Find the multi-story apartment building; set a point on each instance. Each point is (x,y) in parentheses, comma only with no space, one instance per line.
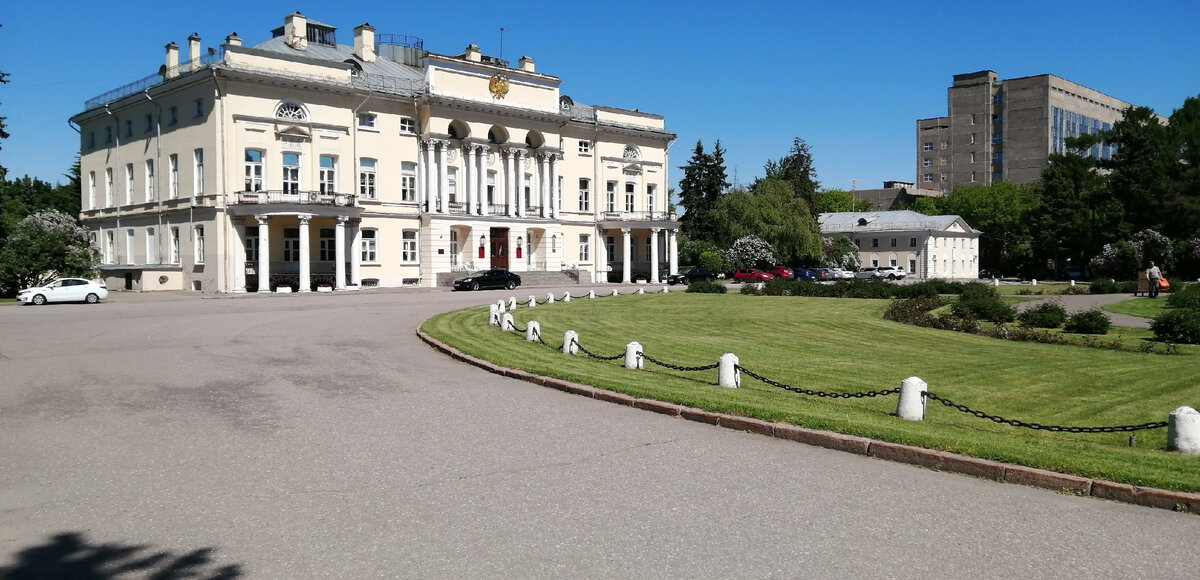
(1006,129)
(306,163)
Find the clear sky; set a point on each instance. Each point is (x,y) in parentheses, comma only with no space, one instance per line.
(850,77)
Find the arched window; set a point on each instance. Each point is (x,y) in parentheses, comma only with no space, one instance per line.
(534,139)
(458,130)
(631,153)
(497,135)
(291,111)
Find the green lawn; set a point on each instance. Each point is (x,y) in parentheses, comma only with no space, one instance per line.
(844,345)
(1144,307)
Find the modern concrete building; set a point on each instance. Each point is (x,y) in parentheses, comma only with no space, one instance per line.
(894,195)
(313,165)
(941,246)
(1006,129)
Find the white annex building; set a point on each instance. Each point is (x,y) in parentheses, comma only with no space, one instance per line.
(941,246)
(306,163)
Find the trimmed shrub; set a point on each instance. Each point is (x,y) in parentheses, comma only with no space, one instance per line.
(910,310)
(1187,296)
(778,287)
(1088,322)
(707,288)
(1179,326)
(965,324)
(983,303)
(928,288)
(711,261)
(1076,290)
(1107,286)
(750,290)
(1044,315)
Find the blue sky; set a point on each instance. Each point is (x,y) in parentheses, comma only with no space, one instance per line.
(849,77)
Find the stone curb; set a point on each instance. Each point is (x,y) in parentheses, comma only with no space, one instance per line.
(930,458)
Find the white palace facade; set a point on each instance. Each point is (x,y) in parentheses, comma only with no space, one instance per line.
(305,163)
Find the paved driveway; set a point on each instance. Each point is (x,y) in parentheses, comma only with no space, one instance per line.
(1082,302)
(314,436)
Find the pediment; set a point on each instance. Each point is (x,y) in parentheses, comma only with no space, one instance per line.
(292,131)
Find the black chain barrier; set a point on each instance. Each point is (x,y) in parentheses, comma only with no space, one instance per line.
(818,393)
(1040,427)
(518,328)
(677,367)
(594,355)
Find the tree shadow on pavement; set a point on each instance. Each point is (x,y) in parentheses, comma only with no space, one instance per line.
(69,556)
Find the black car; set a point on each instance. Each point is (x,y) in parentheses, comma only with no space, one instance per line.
(693,275)
(494,278)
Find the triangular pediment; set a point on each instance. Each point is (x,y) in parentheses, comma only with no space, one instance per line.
(292,131)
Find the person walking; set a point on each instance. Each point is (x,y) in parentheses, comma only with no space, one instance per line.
(1153,274)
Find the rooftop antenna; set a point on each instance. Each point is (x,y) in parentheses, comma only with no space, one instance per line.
(501,57)
(853,184)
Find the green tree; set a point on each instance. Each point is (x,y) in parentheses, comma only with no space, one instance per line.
(927,205)
(1182,205)
(1077,211)
(704,181)
(797,170)
(45,244)
(1002,211)
(1139,172)
(771,211)
(3,132)
(835,200)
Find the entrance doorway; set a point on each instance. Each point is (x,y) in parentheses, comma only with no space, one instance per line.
(499,238)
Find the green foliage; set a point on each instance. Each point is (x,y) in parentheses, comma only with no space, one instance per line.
(773,213)
(707,288)
(1076,209)
(840,252)
(1108,286)
(928,206)
(711,261)
(1179,326)
(1088,322)
(1185,296)
(1003,211)
(691,250)
(983,303)
(703,182)
(836,200)
(910,310)
(1044,315)
(45,244)
(797,170)
(749,252)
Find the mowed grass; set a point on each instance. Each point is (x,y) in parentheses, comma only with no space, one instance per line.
(1144,307)
(844,345)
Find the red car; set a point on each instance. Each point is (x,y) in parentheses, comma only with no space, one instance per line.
(782,272)
(751,275)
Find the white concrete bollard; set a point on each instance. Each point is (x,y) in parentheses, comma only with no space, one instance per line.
(911,405)
(532,301)
(512,302)
(666,290)
(1183,431)
(500,307)
(549,298)
(633,356)
(493,315)
(591,294)
(615,293)
(570,342)
(532,331)
(728,374)
(566,296)
(507,325)
(995,281)
(1033,282)
(1072,283)
(641,291)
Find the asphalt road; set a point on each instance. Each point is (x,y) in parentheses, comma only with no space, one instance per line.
(314,435)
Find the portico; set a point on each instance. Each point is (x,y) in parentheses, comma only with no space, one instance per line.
(275,247)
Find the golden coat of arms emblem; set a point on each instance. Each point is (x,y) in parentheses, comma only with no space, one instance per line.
(498,84)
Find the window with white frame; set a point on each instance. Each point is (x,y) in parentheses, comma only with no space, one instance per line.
(198,108)
(108,187)
(927,146)
(366,178)
(128,183)
(251,244)
(558,193)
(128,128)
(291,111)
(367,120)
(528,192)
(198,244)
(149,123)
(109,246)
(197,171)
(610,248)
(585,147)
(108,135)
(650,191)
(585,248)
(408,125)
(408,182)
(945,144)
(454,248)
(254,170)
(172,115)
(370,248)
(491,187)
(928,177)
(291,244)
(173,167)
(328,174)
(175,245)
(927,162)
(585,194)
(291,173)
(630,190)
(452,184)
(91,190)
(649,243)
(892,244)
(328,247)
(149,180)
(129,237)
(408,247)
(612,196)
(151,247)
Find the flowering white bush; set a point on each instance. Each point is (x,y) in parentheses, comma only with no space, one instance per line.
(45,244)
(1123,258)
(749,252)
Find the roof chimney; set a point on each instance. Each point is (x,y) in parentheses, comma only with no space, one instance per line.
(194,47)
(364,42)
(233,40)
(172,64)
(295,31)
(525,64)
(473,53)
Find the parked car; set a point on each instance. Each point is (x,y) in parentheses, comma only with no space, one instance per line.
(782,272)
(891,272)
(824,274)
(987,274)
(751,275)
(805,273)
(494,278)
(841,274)
(693,275)
(65,290)
(1077,273)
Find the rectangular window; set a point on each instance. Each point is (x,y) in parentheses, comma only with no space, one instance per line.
(649,243)
(927,162)
(367,120)
(328,176)
(874,242)
(291,244)
(585,147)
(972,177)
(151,247)
(408,125)
(612,196)
(254,170)
(408,182)
(173,167)
(452,186)
(945,161)
(408,247)
(945,145)
(650,191)
(149,123)
(610,248)
(128,183)
(997,176)
(585,248)
(369,247)
(198,108)
(129,236)
(172,115)
(109,246)
(997,138)
(291,173)
(328,248)
(927,146)
(945,177)
(91,139)
(91,190)
(892,262)
(197,171)
(585,195)
(973,158)
(997,158)
(128,129)
(149,180)
(912,266)
(108,137)
(998,118)
(198,244)
(912,242)
(858,243)
(251,244)
(928,177)
(558,195)
(366,178)
(108,187)
(630,189)
(998,99)
(175,245)
(892,244)
(972,118)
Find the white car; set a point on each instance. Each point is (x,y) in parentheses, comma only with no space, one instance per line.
(841,274)
(889,272)
(65,290)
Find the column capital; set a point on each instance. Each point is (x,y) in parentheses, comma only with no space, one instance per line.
(341,220)
(262,219)
(304,218)
(656,230)
(625,231)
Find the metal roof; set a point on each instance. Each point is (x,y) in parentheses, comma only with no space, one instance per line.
(879,221)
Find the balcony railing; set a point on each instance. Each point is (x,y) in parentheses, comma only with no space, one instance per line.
(638,216)
(296,197)
(205,61)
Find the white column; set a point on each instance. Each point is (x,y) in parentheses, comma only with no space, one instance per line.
(356,253)
(626,253)
(673,249)
(305,266)
(239,257)
(425,163)
(520,166)
(483,200)
(339,253)
(469,178)
(654,255)
(443,185)
(502,183)
(264,254)
(544,184)
(554,186)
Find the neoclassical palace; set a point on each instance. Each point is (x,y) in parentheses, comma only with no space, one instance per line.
(307,164)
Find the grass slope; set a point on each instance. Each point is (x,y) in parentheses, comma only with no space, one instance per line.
(844,345)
